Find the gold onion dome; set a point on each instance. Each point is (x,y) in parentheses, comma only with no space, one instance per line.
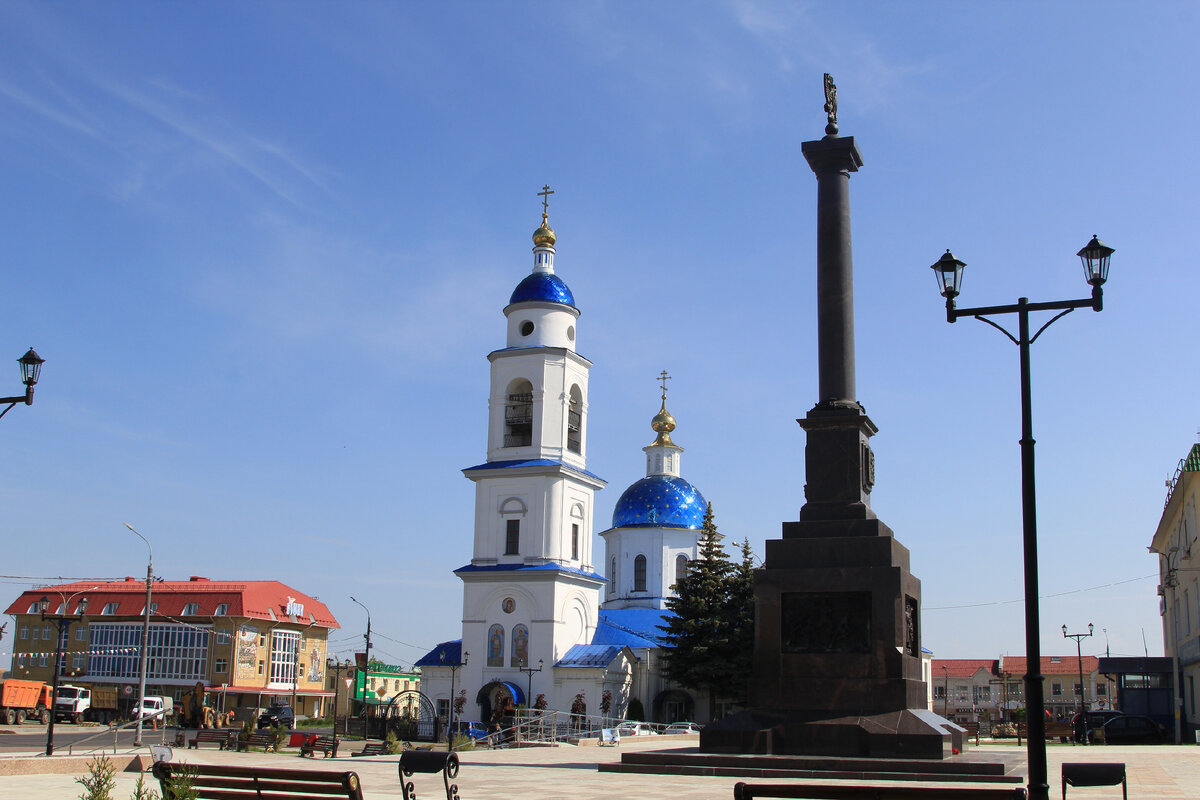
(544,235)
(663,423)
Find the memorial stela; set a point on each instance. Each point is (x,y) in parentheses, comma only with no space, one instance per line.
(837,652)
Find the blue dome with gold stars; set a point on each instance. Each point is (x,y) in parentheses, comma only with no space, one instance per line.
(543,287)
(660,501)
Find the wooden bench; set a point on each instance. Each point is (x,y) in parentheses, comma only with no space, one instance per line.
(223,739)
(818,791)
(326,744)
(1063,730)
(373,749)
(214,782)
(1094,775)
(428,762)
(266,741)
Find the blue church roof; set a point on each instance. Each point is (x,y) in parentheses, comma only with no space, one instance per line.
(433,658)
(631,627)
(589,655)
(660,501)
(542,287)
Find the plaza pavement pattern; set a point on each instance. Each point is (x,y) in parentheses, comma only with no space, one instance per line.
(569,772)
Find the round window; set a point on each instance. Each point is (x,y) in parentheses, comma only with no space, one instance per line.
(571,334)
(526,328)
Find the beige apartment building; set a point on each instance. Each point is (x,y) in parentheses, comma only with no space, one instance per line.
(250,642)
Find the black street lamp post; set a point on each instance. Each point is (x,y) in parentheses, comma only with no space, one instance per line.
(1095,256)
(337,667)
(945,691)
(1079,654)
(366,667)
(453,674)
(31,368)
(64,618)
(528,670)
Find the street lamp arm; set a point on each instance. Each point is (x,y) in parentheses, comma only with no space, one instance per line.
(1015,308)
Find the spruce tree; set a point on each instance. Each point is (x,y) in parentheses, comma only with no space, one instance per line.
(702,640)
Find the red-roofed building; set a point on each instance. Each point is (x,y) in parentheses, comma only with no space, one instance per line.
(249,642)
(1060,683)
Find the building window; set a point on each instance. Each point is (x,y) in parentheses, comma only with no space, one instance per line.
(175,651)
(574,542)
(22,660)
(680,569)
(512,537)
(37,634)
(78,661)
(495,651)
(222,610)
(939,692)
(190,610)
(1056,689)
(518,415)
(575,422)
(46,632)
(1078,690)
(612,576)
(222,636)
(1101,690)
(639,574)
(260,666)
(24,631)
(443,708)
(284,648)
(109,609)
(81,633)
(153,609)
(220,666)
(42,660)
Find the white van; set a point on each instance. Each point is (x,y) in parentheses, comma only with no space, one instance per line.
(152,705)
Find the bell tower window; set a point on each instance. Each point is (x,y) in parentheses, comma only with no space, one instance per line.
(518,415)
(574,542)
(512,537)
(639,574)
(575,421)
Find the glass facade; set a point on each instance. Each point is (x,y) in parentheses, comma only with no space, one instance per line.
(285,645)
(176,652)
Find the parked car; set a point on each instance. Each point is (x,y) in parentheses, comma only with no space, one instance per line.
(277,714)
(1094,720)
(681,727)
(1131,729)
(636,729)
(474,730)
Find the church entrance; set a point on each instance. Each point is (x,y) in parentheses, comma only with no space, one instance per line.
(674,705)
(497,699)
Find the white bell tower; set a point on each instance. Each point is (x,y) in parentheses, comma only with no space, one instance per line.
(531,591)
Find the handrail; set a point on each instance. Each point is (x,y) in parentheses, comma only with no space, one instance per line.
(114,729)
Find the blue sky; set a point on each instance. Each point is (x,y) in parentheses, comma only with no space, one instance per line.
(264,248)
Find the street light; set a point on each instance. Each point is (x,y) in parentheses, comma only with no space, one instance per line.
(454,667)
(337,667)
(945,691)
(366,667)
(1095,257)
(31,368)
(137,740)
(64,619)
(528,670)
(1079,654)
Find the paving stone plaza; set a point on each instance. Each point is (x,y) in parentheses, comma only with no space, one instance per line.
(549,773)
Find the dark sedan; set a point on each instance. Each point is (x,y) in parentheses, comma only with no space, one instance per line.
(1131,729)
(279,714)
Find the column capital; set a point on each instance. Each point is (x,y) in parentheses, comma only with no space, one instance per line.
(832,154)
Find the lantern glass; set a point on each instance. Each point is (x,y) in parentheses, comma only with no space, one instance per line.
(1095,256)
(31,367)
(948,271)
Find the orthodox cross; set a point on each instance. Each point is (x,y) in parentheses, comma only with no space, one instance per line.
(830,105)
(545,195)
(663,378)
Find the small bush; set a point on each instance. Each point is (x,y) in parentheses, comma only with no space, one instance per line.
(281,737)
(100,780)
(462,742)
(143,792)
(393,743)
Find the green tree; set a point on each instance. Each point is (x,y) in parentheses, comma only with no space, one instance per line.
(706,638)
